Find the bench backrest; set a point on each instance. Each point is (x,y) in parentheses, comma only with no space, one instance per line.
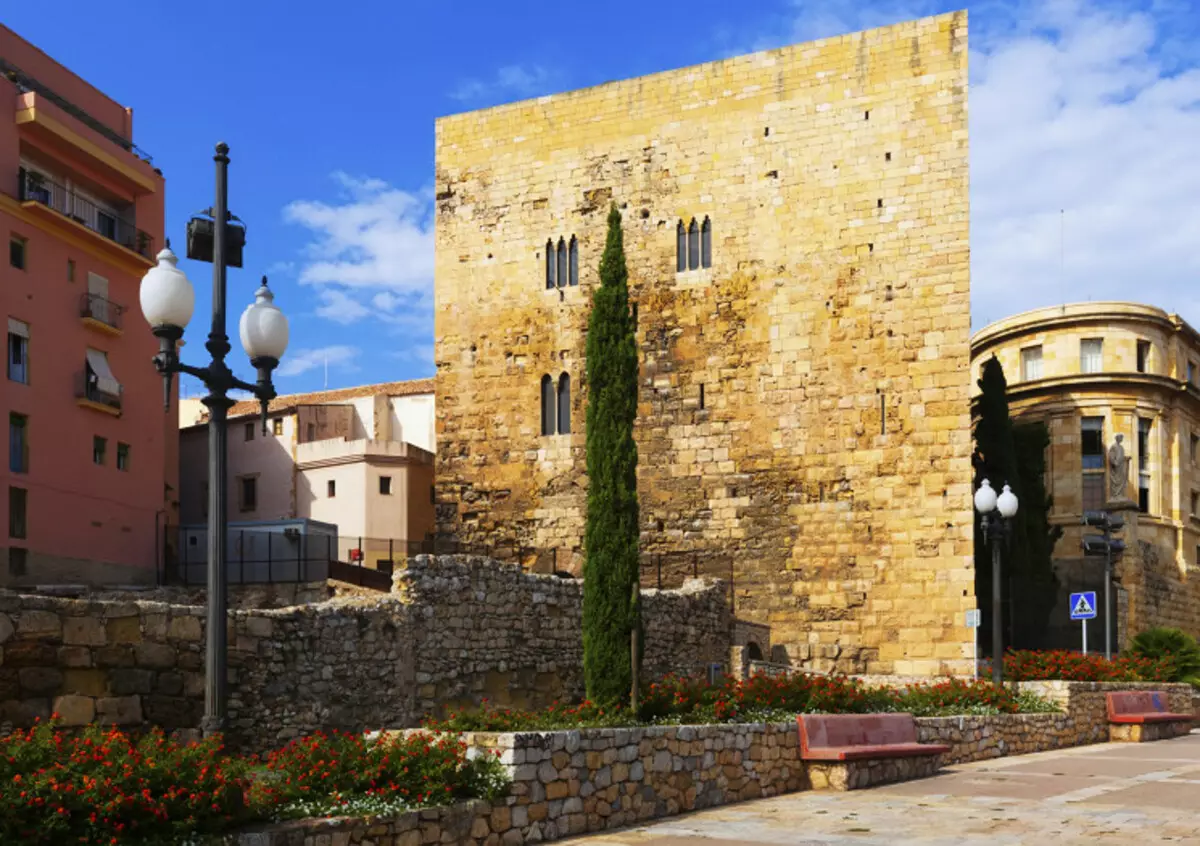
(1124,702)
(819,731)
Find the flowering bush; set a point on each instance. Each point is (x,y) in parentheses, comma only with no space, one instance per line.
(327,772)
(1051,665)
(104,787)
(760,698)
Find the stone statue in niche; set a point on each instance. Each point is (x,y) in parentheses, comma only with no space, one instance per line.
(1118,471)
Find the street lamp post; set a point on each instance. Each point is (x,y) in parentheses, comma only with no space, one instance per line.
(986,502)
(167,300)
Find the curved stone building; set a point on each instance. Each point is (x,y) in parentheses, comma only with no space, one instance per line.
(1092,371)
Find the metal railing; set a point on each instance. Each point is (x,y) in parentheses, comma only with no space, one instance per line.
(26,83)
(36,187)
(100,309)
(86,388)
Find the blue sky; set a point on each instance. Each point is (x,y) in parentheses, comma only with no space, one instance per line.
(1085,127)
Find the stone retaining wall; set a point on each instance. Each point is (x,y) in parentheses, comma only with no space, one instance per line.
(570,782)
(462,823)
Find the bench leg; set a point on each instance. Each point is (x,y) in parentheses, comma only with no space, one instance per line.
(855,775)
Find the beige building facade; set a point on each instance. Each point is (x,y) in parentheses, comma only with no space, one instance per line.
(358,458)
(1092,371)
(795,226)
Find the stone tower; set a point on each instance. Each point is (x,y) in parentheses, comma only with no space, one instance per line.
(796,226)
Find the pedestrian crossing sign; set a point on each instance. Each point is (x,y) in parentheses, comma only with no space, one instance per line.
(1083,605)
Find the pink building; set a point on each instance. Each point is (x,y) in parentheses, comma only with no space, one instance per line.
(92,472)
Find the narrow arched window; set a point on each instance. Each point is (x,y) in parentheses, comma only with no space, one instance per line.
(564,404)
(693,245)
(547,405)
(562,263)
(574,277)
(680,248)
(549,264)
(706,243)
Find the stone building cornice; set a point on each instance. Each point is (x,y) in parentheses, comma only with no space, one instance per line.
(1072,315)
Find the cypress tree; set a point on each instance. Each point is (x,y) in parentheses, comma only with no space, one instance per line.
(610,569)
(994,459)
(1014,455)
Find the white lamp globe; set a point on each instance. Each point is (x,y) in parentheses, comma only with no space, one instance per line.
(985,498)
(166,295)
(1007,503)
(263,327)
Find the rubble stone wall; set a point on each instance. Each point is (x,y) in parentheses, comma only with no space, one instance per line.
(455,630)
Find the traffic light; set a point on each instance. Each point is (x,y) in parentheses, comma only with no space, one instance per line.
(1106,543)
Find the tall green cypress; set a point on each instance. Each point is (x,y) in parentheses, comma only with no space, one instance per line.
(1014,455)
(610,569)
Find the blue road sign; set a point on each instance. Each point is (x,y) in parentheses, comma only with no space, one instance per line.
(1083,605)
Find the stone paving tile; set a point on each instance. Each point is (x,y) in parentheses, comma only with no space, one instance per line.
(1155,800)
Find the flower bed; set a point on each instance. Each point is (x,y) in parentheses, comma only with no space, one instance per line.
(1061,665)
(678,700)
(106,787)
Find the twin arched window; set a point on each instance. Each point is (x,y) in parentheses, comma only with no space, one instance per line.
(562,263)
(693,245)
(556,405)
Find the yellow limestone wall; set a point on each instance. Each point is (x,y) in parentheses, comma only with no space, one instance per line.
(835,177)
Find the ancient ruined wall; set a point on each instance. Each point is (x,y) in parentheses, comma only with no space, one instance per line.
(485,630)
(291,671)
(455,631)
(803,414)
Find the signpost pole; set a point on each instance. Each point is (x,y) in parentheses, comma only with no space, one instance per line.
(1085,636)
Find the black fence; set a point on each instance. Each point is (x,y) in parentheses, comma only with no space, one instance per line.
(280,556)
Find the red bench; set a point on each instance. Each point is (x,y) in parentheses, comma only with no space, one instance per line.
(846,751)
(1139,715)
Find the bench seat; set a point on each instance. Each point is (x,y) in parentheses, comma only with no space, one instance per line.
(868,752)
(1159,717)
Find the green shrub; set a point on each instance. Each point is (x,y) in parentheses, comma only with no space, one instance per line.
(1173,645)
(1061,665)
(103,786)
(676,700)
(324,773)
(106,787)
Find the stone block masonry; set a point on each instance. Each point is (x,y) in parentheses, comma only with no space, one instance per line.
(455,631)
(803,418)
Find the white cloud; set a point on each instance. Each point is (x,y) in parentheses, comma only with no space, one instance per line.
(340,307)
(371,255)
(302,361)
(511,81)
(1084,125)
(377,237)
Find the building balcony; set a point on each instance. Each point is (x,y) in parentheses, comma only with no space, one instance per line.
(334,451)
(90,394)
(100,314)
(44,196)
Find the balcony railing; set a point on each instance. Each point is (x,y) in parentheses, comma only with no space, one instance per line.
(33,186)
(98,308)
(87,389)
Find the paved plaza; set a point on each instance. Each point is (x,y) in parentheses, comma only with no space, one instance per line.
(1139,794)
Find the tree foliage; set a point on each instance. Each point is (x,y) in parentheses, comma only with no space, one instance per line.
(1014,454)
(610,570)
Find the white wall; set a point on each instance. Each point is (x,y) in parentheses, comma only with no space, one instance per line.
(413,420)
(267,456)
